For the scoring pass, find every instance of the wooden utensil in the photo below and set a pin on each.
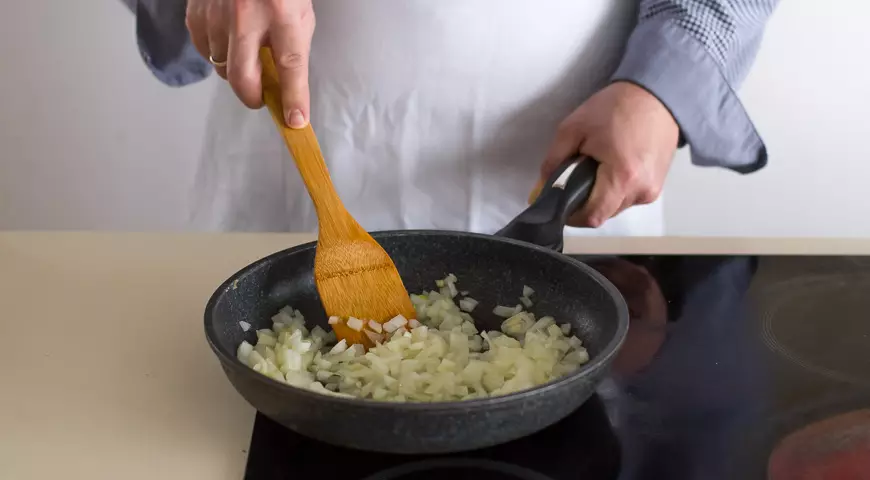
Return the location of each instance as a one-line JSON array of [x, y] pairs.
[[354, 276]]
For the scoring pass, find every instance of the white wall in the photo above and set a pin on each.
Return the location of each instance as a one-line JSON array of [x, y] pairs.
[[809, 95], [91, 140]]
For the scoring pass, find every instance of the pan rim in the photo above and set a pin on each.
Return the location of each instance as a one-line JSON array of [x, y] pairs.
[[595, 363]]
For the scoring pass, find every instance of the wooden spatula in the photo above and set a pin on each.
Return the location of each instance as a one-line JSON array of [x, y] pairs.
[[354, 275]]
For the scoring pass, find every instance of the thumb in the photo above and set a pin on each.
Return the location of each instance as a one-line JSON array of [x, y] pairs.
[[566, 144]]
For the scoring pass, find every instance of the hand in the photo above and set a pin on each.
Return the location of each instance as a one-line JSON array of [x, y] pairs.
[[234, 30], [632, 135]]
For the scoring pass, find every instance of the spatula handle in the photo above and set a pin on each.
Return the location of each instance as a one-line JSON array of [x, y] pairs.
[[305, 150]]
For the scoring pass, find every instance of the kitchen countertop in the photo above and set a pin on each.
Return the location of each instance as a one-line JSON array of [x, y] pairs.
[[105, 370]]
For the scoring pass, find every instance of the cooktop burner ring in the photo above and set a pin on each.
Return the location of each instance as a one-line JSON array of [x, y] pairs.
[[787, 292]]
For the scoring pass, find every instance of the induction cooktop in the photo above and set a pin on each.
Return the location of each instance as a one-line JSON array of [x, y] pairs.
[[734, 367]]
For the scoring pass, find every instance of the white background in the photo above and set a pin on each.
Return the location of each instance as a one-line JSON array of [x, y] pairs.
[[90, 140]]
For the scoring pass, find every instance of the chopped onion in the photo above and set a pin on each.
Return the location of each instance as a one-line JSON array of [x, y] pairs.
[[374, 337], [438, 356], [526, 301], [355, 324], [339, 347], [245, 325], [518, 324], [468, 304], [375, 326], [527, 291], [266, 337], [244, 351], [333, 320], [503, 311], [395, 323]]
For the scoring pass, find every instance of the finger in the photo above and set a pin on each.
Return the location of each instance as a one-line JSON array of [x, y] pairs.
[[606, 198], [626, 203], [218, 38], [247, 31], [291, 45], [197, 27], [566, 144], [536, 191]]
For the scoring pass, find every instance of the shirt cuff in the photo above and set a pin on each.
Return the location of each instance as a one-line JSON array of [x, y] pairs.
[[672, 65], [165, 45]]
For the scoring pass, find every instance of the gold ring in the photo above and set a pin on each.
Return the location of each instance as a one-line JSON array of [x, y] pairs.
[[216, 63]]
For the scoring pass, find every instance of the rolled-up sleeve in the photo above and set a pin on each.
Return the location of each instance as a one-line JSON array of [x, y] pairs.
[[692, 55], [164, 42]]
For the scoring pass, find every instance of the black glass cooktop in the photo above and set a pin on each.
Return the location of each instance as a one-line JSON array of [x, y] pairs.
[[733, 368]]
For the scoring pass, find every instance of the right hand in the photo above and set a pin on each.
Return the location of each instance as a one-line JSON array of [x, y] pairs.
[[234, 31]]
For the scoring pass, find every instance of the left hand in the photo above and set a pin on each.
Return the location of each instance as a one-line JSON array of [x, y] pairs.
[[632, 135]]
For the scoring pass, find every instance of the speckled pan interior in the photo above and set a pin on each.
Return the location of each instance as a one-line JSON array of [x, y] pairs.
[[494, 271]]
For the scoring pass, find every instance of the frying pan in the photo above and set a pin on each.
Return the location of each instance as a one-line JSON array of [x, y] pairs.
[[494, 270]]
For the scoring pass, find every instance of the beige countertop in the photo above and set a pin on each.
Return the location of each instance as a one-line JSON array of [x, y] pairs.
[[105, 370]]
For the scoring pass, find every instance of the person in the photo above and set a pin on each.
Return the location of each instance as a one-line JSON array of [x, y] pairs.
[[446, 114]]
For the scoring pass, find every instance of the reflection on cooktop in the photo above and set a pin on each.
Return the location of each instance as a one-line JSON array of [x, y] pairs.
[[729, 362]]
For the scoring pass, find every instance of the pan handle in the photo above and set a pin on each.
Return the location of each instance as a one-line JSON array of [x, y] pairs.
[[543, 222]]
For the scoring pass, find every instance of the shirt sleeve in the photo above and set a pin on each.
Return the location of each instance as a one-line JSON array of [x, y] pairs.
[[164, 42], [692, 55]]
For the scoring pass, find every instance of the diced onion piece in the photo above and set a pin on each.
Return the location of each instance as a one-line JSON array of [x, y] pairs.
[[333, 320], [505, 312], [518, 324], [375, 326], [374, 337], [290, 359], [527, 291], [578, 357], [355, 324], [339, 347], [467, 304], [566, 328], [526, 301], [320, 333], [413, 323], [266, 337], [543, 323], [245, 325], [244, 350], [394, 323]]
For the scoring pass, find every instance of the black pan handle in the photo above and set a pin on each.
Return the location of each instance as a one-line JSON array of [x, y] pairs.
[[566, 190]]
